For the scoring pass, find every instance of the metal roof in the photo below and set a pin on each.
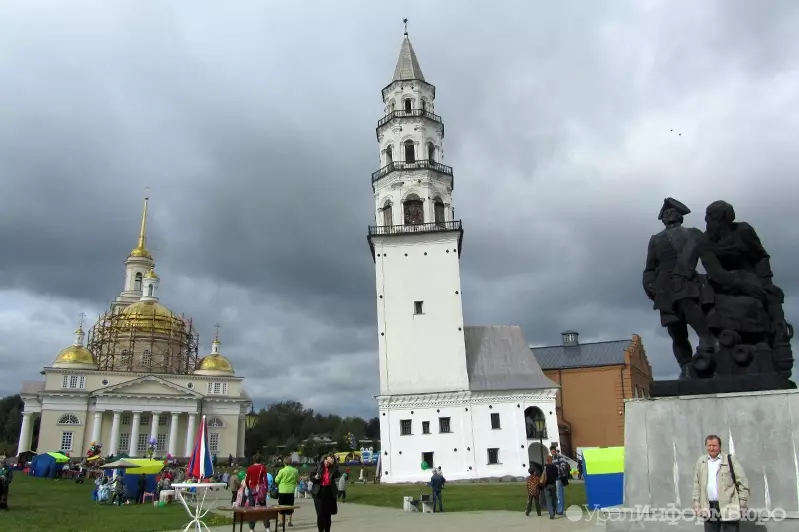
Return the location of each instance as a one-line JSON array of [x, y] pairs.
[[581, 355], [498, 358], [407, 64]]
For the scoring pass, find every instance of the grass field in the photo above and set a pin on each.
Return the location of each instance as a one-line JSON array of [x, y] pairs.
[[63, 506]]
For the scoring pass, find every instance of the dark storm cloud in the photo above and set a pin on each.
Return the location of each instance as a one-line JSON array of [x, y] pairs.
[[254, 127]]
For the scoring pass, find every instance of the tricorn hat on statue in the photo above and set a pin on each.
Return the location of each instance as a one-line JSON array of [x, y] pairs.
[[671, 203]]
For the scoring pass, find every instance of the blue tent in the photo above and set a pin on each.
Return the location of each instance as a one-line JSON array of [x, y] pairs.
[[44, 466]]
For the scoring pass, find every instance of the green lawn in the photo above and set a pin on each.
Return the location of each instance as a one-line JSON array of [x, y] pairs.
[[63, 506], [510, 496]]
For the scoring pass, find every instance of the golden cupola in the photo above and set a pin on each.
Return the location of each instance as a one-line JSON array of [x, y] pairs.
[[215, 363], [147, 314], [76, 356]]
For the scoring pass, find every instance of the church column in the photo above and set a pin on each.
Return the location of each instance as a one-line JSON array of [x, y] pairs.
[[242, 436], [134, 435], [113, 448], [25, 433], [173, 434], [190, 435], [154, 426], [97, 428]]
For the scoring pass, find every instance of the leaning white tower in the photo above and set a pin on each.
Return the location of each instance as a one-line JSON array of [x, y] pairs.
[[416, 243]]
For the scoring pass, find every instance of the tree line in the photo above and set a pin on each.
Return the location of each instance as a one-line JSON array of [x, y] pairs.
[[288, 426]]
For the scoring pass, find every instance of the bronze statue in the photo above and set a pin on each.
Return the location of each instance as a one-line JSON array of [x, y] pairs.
[[671, 281], [744, 337]]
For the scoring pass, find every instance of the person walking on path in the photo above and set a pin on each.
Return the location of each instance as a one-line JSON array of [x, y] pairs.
[[721, 490], [342, 487], [255, 486], [559, 461], [6, 476], [324, 493], [437, 482], [548, 484], [286, 481], [234, 483], [534, 490]]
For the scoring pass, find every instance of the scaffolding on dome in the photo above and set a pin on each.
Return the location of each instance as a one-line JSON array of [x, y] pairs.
[[141, 343]]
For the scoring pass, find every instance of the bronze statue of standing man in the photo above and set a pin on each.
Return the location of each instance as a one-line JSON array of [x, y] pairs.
[[671, 281]]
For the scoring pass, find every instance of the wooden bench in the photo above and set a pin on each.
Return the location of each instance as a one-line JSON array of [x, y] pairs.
[[257, 513]]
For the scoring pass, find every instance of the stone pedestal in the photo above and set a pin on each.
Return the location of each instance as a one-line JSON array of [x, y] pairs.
[[664, 437]]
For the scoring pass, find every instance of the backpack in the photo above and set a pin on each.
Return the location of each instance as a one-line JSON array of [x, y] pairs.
[[563, 469]]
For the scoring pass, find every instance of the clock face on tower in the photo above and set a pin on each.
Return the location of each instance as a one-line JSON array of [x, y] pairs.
[[414, 214]]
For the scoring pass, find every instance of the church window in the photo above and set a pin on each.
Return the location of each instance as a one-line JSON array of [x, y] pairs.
[[163, 421], [408, 105], [413, 210], [405, 427], [495, 421], [161, 443], [126, 419], [147, 357], [418, 307], [410, 152], [142, 443], [144, 420], [217, 388], [389, 155], [424, 105], [125, 357], [66, 441], [150, 290], [425, 427], [443, 425], [69, 419], [137, 283], [216, 422], [493, 456], [73, 382], [124, 443], [531, 415], [388, 214], [438, 210], [213, 442], [431, 152]]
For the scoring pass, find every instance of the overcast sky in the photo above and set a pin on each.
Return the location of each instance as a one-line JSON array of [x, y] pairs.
[[253, 124]]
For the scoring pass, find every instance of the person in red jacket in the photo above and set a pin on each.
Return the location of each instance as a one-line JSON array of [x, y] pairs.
[[255, 482]]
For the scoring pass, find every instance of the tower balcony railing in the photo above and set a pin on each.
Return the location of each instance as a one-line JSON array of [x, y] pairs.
[[432, 227], [410, 229], [413, 113], [422, 164]]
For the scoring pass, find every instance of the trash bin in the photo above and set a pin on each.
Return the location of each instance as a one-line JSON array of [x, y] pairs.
[[406, 504]]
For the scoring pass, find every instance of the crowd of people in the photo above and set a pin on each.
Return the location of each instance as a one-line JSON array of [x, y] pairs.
[[547, 481]]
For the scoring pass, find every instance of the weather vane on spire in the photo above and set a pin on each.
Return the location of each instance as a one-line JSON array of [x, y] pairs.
[[217, 327], [82, 315], [147, 192], [405, 21]]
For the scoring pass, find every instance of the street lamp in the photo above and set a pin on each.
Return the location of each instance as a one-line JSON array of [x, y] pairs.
[[251, 418], [541, 427]]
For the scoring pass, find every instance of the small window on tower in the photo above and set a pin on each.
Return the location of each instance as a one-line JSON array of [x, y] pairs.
[[438, 210], [389, 155], [425, 427], [388, 214], [408, 105], [418, 307], [137, 283], [424, 105], [431, 152], [150, 290]]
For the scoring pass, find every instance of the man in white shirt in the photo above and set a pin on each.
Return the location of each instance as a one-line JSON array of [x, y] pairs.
[[720, 488]]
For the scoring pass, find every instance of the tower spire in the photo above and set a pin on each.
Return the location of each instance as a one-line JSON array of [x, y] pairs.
[[215, 344], [407, 65], [141, 249]]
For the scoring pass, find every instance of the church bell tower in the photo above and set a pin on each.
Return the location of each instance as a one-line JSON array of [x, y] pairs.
[[416, 242]]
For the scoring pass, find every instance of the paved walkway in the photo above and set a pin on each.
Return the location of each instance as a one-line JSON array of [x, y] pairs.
[[358, 518]]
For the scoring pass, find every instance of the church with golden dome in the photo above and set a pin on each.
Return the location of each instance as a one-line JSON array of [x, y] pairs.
[[138, 377]]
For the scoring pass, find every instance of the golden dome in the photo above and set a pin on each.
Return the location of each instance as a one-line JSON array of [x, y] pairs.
[[215, 363], [151, 275], [150, 316], [75, 354], [140, 251]]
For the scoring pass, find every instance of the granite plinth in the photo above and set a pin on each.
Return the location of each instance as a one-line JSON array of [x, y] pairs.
[[665, 436], [721, 384]]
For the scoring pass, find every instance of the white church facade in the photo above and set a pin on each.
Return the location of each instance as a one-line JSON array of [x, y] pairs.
[[138, 378], [471, 400]]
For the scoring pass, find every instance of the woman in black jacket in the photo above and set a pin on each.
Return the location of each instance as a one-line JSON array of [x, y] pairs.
[[324, 492]]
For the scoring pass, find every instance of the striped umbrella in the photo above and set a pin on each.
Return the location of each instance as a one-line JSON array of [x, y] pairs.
[[200, 463]]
